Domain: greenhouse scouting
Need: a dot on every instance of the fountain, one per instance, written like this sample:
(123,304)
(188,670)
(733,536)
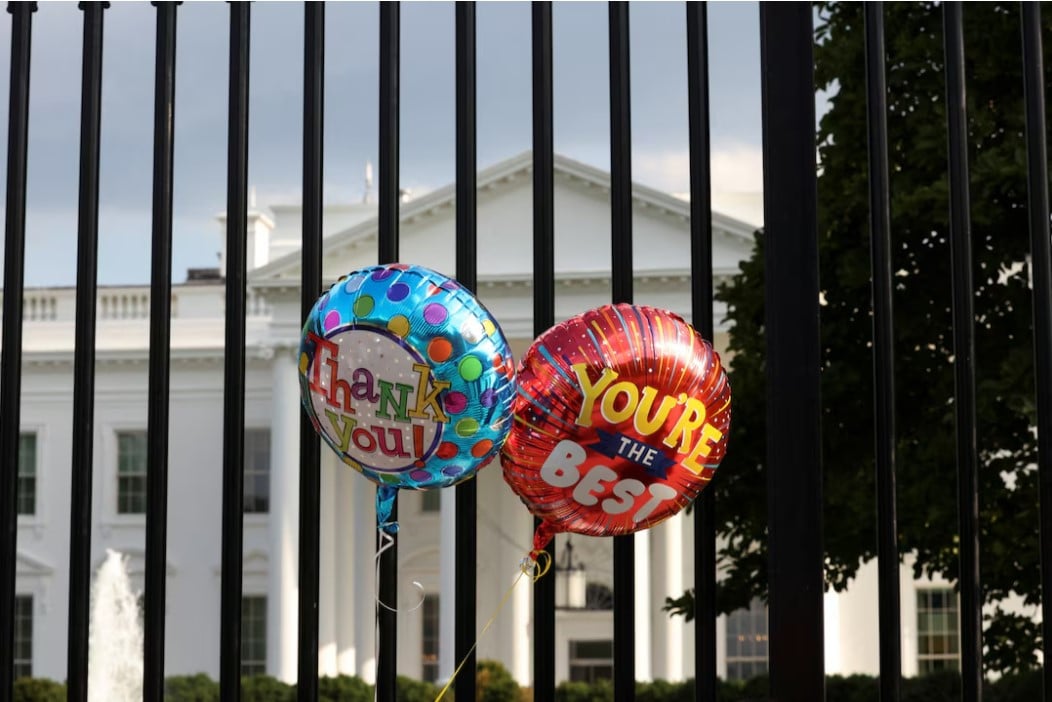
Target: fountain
(115,647)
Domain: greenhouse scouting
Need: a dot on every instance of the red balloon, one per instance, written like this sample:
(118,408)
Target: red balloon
(621,419)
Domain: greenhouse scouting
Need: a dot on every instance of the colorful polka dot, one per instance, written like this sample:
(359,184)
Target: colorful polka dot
(363,306)
(452,471)
(383,273)
(439,350)
(466,427)
(455,402)
(399,325)
(489,326)
(354,283)
(390,479)
(420,475)
(470,368)
(304,362)
(332,320)
(434,313)
(488,398)
(398,292)
(481,448)
(447,450)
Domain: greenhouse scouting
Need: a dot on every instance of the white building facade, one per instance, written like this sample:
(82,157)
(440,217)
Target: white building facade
(347,598)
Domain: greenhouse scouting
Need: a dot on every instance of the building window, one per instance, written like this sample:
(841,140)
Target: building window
(431,501)
(429,638)
(747,642)
(254,635)
(591,660)
(937,631)
(23,636)
(27,473)
(257,471)
(131,472)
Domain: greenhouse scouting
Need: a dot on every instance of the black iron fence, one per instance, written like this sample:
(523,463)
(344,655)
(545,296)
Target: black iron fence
(792,337)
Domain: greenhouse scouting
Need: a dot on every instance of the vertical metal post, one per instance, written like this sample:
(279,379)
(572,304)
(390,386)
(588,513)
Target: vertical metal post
(964,356)
(543,307)
(794,472)
(1041,270)
(621,280)
(883,357)
(311,282)
(84,355)
(11,354)
(160,336)
(467,275)
(701,314)
(387,225)
(234,358)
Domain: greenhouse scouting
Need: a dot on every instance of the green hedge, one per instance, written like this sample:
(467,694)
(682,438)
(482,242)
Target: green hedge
(495,684)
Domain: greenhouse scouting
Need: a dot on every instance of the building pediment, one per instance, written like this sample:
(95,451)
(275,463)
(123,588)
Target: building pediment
(505,231)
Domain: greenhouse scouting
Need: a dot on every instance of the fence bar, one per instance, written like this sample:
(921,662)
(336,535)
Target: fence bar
(701,315)
(84,355)
(621,281)
(794,471)
(311,282)
(387,232)
(466,546)
(234,357)
(11,354)
(1041,271)
(160,353)
(883,358)
(964,356)
(543,307)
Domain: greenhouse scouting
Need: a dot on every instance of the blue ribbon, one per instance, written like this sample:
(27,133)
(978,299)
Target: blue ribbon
(617,445)
(385,497)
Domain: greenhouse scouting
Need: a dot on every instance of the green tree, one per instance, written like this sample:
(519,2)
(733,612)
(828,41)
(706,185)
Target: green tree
(923,332)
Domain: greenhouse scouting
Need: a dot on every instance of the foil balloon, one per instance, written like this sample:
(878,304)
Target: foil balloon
(407,377)
(620,420)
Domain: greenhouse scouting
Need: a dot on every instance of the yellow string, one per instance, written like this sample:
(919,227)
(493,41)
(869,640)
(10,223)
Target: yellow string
(534,566)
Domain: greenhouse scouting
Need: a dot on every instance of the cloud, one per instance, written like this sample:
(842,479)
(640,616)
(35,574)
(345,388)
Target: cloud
(736,168)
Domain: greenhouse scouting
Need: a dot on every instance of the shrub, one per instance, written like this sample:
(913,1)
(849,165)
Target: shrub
(263,688)
(854,688)
(410,690)
(495,684)
(600,691)
(191,688)
(344,689)
(1015,688)
(39,690)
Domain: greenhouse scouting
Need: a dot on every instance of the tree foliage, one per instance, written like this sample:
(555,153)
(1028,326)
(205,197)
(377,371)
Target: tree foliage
(924,353)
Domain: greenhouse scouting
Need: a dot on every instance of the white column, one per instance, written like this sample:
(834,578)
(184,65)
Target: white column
(364,535)
(522,602)
(447,577)
(284,514)
(667,580)
(327,570)
(346,568)
(642,577)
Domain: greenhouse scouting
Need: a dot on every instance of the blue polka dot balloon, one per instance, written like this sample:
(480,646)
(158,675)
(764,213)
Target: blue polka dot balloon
(407,377)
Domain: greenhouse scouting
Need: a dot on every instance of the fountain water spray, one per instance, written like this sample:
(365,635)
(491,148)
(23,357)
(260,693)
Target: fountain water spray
(115,647)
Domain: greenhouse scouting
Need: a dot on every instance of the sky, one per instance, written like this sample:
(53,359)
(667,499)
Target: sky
(581,120)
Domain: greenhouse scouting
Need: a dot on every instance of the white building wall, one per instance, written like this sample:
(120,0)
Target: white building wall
(347,595)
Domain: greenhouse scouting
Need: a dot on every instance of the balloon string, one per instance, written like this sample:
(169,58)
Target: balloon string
(534,566)
(386,542)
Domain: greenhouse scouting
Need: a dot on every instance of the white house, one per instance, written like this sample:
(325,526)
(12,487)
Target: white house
(347,644)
